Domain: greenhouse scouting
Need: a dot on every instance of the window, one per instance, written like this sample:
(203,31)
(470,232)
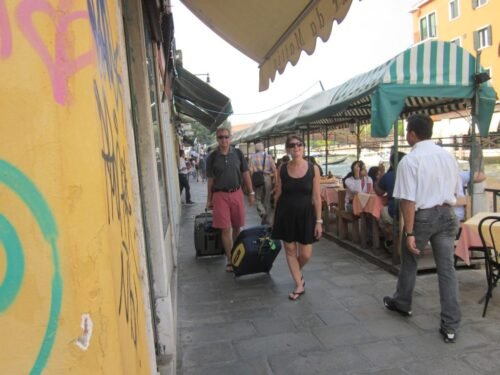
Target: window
(482,38)
(454,9)
(457,41)
(428,26)
(478,3)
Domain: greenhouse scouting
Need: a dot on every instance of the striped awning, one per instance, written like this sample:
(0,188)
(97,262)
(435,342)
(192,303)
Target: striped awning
(433,77)
(199,100)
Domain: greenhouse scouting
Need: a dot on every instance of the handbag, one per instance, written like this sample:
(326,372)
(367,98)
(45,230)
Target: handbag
(258,176)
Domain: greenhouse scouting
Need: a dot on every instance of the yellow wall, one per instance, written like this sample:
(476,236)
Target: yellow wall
(68,240)
(464,26)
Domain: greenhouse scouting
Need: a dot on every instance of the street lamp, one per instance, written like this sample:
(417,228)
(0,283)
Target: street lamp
(204,74)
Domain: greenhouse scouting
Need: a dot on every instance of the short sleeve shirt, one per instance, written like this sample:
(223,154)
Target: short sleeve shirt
(428,176)
(226,170)
(386,183)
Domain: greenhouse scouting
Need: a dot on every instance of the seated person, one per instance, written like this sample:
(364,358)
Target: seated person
(375,174)
(356,181)
(385,187)
(479,176)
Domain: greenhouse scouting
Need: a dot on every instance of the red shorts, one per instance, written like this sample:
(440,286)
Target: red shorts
(229,209)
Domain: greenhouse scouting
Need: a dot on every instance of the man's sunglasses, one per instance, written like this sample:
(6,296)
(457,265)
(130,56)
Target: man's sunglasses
(222,137)
(295,144)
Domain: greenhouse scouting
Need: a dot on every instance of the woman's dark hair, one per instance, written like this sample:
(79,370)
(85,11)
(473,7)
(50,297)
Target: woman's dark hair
(351,173)
(373,172)
(291,138)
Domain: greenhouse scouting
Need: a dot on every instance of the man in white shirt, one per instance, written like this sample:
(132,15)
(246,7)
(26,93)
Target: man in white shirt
(427,184)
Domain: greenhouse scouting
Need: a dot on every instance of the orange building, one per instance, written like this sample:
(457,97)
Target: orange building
(472,24)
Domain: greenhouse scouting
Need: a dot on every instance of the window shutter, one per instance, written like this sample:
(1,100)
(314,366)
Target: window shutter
(476,40)
(474,4)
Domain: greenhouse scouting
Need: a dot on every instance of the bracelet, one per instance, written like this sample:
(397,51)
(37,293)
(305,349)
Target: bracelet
(251,193)
(410,234)
(319,221)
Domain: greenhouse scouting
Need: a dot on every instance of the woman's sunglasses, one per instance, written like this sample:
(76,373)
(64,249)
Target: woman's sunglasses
(295,144)
(222,137)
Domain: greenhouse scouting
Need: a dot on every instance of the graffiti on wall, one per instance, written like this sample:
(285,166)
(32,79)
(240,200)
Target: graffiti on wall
(58,60)
(5,33)
(115,161)
(10,287)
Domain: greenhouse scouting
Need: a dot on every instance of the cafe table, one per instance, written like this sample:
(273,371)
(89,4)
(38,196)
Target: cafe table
(368,207)
(329,193)
(469,235)
(367,203)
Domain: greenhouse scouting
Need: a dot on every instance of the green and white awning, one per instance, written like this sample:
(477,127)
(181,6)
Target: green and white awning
(433,77)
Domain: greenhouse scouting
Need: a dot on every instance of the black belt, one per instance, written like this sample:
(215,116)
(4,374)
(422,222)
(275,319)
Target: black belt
(227,190)
(438,206)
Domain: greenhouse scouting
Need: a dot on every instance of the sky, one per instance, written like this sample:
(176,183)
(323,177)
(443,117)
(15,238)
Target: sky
(373,32)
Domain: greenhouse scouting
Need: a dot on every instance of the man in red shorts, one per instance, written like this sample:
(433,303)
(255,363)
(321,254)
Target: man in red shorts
(227,170)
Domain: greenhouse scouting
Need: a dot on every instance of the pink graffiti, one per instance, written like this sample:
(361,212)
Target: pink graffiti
(5,35)
(64,65)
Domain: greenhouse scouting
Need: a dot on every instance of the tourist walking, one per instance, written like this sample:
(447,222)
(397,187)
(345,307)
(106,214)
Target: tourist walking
(262,165)
(183,177)
(227,170)
(427,185)
(297,221)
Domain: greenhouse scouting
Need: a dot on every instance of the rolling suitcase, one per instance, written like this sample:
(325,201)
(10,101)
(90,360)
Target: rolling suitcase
(207,240)
(254,251)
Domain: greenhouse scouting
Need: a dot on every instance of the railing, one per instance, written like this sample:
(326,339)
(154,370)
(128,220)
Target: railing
(495,195)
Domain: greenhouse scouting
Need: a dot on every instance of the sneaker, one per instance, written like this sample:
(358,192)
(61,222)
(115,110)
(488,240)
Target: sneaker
(390,305)
(448,336)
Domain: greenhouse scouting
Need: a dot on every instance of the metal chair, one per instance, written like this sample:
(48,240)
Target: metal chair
(489,231)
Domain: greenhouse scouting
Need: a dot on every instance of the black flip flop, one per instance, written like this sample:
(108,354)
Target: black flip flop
(294,296)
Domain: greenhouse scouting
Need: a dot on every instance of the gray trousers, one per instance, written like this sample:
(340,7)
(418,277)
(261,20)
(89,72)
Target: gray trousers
(263,199)
(439,225)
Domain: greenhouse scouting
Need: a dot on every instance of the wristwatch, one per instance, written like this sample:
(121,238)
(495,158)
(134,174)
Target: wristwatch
(410,234)
(251,193)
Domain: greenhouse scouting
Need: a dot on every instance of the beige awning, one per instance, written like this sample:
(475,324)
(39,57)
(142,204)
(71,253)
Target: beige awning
(271,32)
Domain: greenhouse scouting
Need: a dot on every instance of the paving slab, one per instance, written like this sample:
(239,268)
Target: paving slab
(339,326)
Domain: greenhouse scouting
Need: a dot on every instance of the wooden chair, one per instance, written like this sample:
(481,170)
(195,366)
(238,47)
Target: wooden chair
(329,217)
(344,218)
(489,231)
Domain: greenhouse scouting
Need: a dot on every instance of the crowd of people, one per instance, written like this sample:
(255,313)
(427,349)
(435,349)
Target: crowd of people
(286,194)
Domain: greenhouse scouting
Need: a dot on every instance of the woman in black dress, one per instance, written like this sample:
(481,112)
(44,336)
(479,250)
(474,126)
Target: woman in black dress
(298,211)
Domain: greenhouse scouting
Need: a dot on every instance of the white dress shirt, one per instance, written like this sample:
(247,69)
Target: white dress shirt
(428,176)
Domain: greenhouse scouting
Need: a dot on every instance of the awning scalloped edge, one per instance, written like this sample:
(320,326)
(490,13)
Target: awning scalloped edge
(318,23)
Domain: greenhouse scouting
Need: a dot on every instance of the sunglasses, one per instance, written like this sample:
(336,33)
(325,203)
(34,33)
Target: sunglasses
(295,144)
(222,137)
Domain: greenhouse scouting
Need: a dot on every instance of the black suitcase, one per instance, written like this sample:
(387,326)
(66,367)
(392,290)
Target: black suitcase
(207,240)
(254,251)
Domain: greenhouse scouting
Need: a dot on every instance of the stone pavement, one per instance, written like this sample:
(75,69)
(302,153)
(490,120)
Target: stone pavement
(339,326)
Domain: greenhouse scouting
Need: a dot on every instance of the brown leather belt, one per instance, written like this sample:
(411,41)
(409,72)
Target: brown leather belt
(228,190)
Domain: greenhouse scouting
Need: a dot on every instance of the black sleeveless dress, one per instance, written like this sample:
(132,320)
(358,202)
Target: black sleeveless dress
(294,218)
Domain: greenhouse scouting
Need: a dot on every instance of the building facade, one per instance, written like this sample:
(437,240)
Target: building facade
(89,197)
(472,24)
